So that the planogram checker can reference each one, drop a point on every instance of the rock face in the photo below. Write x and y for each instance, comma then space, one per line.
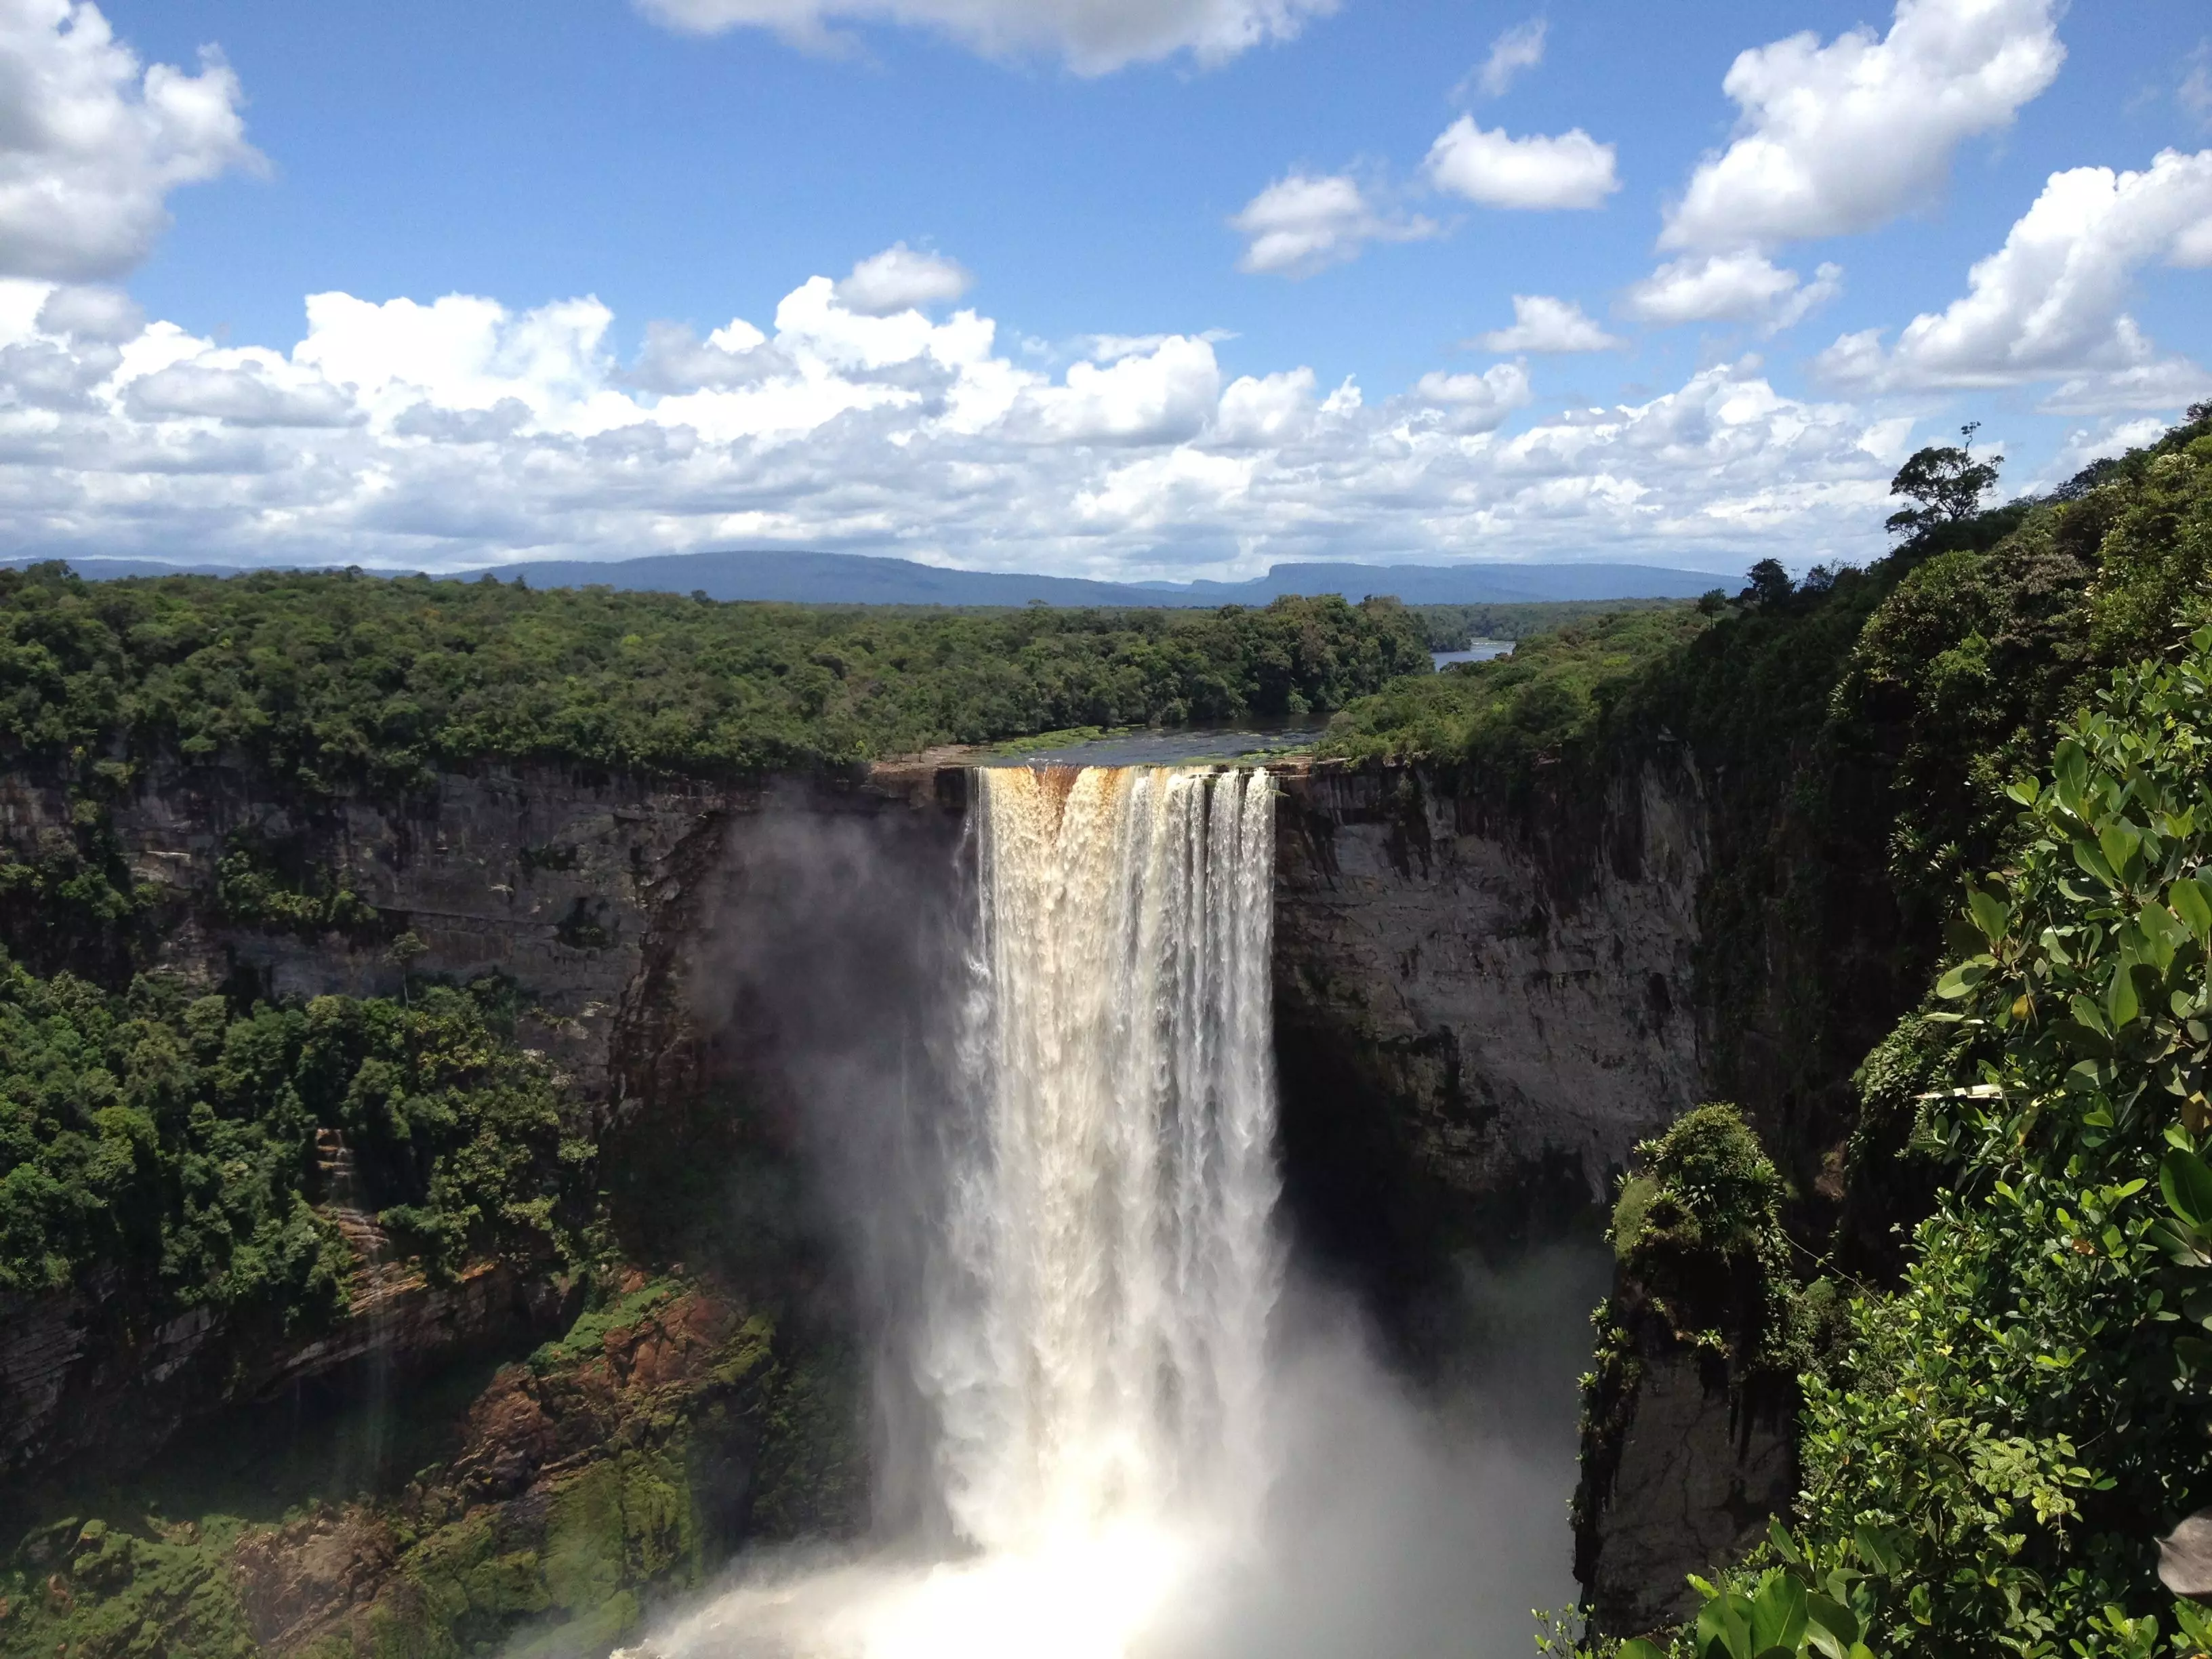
611, 1470
598, 896
1480, 1012
1700, 1469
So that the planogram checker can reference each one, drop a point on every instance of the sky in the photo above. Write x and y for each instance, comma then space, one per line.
1126, 288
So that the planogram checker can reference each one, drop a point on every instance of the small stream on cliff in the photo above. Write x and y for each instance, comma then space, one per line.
1142, 1436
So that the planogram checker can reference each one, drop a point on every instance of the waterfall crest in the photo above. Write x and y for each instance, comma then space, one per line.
1096, 1353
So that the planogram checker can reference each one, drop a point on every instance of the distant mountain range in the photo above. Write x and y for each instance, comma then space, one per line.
858, 578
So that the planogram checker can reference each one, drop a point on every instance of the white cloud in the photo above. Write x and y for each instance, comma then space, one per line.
91, 313
2194, 94
1521, 47
1093, 37
1542, 324
1744, 287
1570, 171
1270, 408
460, 431
2086, 444
901, 279
675, 360
1477, 403
2048, 304
1161, 396
91, 144
1303, 223
1842, 138
242, 389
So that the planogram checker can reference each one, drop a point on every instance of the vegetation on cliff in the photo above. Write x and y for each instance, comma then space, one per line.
1993, 1438
1454, 627
2019, 1421
613, 1467
338, 680
163, 1145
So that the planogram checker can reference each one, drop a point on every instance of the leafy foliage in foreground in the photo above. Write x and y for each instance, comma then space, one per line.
164, 1143
2020, 1420
337, 679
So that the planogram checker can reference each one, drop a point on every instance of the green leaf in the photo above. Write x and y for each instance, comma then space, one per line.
1876, 1549
1778, 1613
2092, 862
2120, 995
2190, 904
2118, 844
1784, 1545
2187, 1185
2024, 790
1637, 1648
1991, 913
1961, 980
1830, 1626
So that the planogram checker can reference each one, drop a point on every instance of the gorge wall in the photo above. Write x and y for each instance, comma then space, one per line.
591, 894
1480, 1009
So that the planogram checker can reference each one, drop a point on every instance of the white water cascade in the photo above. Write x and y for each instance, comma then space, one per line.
1093, 1342
1101, 1358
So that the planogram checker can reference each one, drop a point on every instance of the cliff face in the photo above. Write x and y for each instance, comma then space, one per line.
598, 897
1479, 1013
1697, 1466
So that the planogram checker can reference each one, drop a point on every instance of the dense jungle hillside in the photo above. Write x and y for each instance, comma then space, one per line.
345, 678
1955, 1223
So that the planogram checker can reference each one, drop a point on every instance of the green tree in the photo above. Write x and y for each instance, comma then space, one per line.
1947, 483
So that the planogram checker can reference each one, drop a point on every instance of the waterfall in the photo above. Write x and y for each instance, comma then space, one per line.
1092, 1342
1097, 1350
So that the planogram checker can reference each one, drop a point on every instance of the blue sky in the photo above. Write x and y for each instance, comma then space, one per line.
1187, 286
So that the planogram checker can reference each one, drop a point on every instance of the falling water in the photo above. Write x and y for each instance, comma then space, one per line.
1100, 1355
1094, 1333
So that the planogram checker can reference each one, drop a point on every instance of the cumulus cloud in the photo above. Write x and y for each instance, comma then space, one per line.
1164, 395
1092, 37
1842, 138
1743, 287
1572, 170
2086, 444
1302, 223
241, 390
1476, 402
429, 436
1257, 411
1521, 47
673, 359
1542, 324
91, 144
901, 279
2049, 304
91, 313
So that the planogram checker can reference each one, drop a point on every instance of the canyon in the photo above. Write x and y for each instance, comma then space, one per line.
1481, 1008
